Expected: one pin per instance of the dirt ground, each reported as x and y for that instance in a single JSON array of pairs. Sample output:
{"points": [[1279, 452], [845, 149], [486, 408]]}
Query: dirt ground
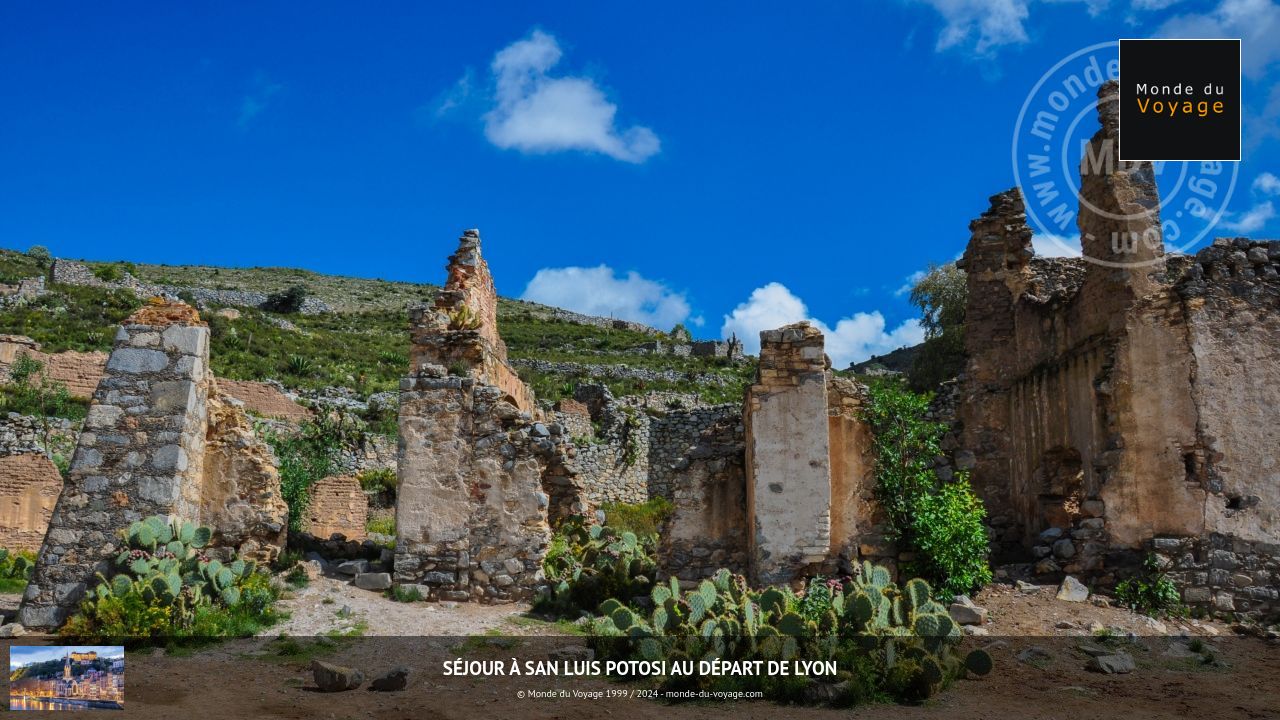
{"points": [[269, 678]]}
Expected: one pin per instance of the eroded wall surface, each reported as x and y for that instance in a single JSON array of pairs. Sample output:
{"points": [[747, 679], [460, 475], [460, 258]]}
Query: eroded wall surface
{"points": [[29, 488]]}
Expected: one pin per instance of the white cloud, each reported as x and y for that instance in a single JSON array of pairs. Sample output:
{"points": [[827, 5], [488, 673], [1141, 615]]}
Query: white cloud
{"points": [[534, 112], [1267, 184], [1154, 4], [853, 339], [1056, 245], [910, 283], [985, 24], [1255, 22], [256, 100], [1252, 220], [599, 291], [1256, 217]]}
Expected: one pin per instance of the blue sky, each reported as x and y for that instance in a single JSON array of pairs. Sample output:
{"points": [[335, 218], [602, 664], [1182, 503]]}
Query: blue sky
{"points": [[731, 166], [20, 655]]}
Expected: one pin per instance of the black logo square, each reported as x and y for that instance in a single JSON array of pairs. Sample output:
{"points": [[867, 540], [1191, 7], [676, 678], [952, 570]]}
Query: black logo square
{"points": [[1179, 100]]}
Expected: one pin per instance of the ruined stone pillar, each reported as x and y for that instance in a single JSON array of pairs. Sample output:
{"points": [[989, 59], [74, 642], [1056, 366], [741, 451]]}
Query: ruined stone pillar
{"points": [[1119, 216], [996, 268], [140, 454], [788, 455]]}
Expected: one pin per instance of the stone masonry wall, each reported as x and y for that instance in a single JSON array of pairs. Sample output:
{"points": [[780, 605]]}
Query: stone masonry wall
{"points": [[139, 455], [787, 455], [460, 332], [705, 531], [473, 507]]}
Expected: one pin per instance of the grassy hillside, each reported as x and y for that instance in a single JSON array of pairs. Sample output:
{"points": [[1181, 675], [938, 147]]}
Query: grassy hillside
{"points": [[364, 345]]}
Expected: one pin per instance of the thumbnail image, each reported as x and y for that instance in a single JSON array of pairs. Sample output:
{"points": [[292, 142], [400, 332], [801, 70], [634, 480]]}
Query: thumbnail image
{"points": [[66, 677]]}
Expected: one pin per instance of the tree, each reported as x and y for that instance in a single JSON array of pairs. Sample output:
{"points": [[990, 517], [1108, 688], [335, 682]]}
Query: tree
{"points": [[32, 392], [941, 296], [680, 333], [286, 301], [41, 255]]}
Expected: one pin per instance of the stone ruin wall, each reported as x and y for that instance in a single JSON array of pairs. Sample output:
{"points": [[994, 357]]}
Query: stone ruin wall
{"points": [[611, 446], [1112, 410], [146, 449], [706, 530], [338, 506], [481, 478], [79, 371]]}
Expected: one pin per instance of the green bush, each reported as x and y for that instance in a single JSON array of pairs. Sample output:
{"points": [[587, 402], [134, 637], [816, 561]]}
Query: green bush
{"points": [[1150, 592], [382, 525], [644, 519], [378, 480], [286, 301], [30, 391], [941, 522], [310, 455], [41, 255], [164, 584]]}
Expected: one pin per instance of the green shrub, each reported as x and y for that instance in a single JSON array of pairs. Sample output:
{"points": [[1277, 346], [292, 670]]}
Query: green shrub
{"points": [[382, 525], [400, 593], [644, 519], [164, 584], [30, 391], [1150, 592], [41, 255], [287, 301], [378, 480], [310, 455], [941, 522]]}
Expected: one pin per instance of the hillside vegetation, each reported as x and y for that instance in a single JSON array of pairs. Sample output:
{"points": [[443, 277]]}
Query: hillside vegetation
{"points": [[363, 345]]}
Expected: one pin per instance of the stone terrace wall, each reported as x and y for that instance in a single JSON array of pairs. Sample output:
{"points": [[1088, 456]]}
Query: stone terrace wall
{"points": [[338, 505], [612, 462], [140, 455], [787, 456], [29, 488]]}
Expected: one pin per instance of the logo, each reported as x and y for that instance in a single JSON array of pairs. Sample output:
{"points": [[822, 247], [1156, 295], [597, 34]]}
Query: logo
{"points": [[1051, 141]]}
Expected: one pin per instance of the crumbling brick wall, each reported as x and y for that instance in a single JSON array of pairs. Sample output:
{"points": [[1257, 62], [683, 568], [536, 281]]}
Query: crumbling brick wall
{"points": [[79, 371], [338, 505], [1128, 403], [29, 488]]}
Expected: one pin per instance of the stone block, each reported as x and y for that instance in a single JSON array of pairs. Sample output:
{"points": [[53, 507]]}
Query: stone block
{"points": [[187, 339], [136, 361]]}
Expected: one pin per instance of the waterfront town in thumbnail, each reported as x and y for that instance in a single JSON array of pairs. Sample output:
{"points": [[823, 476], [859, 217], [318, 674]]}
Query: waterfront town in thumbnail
{"points": [[63, 677]]}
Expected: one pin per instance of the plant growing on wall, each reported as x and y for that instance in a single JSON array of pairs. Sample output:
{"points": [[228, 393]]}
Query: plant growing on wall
{"points": [[310, 455], [941, 522], [1150, 591]]}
